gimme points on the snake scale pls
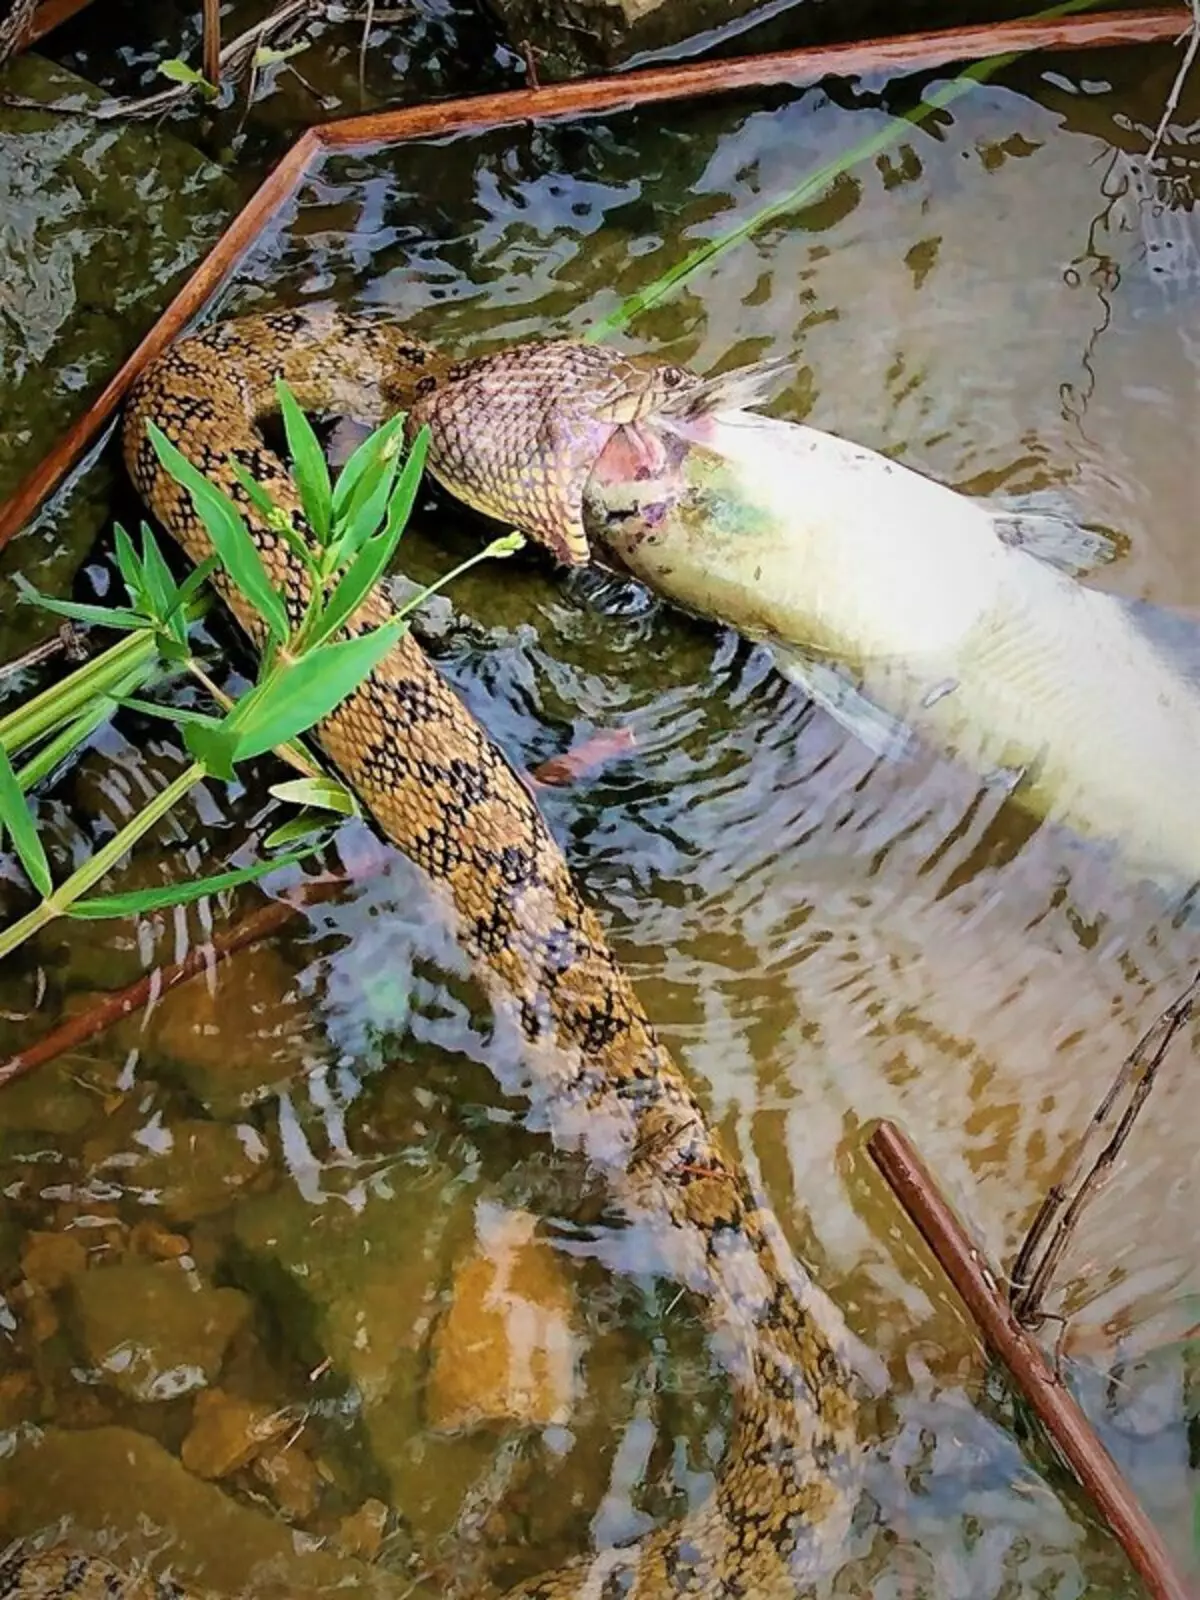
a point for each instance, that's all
(515, 434)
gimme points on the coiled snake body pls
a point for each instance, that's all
(515, 435)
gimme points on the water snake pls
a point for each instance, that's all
(443, 793)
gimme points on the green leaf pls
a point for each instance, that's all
(311, 825)
(301, 695)
(177, 894)
(268, 56)
(358, 581)
(363, 506)
(17, 820)
(176, 714)
(372, 560)
(259, 498)
(212, 744)
(229, 533)
(308, 464)
(323, 794)
(179, 72)
(118, 617)
(367, 455)
(401, 503)
(159, 582)
(131, 569)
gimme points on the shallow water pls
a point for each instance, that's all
(823, 939)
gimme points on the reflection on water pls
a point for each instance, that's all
(821, 937)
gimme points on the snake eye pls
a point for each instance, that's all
(672, 377)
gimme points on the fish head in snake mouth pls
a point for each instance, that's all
(518, 433)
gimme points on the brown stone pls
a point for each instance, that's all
(201, 1169)
(227, 1433)
(293, 1480)
(506, 1350)
(231, 1037)
(49, 1260)
(151, 1239)
(153, 1330)
(124, 1486)
(361, 1533)
(18, 1399)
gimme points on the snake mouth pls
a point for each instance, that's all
(634, 453)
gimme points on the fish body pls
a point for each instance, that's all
(910, 610)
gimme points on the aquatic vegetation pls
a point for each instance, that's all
(304, 673)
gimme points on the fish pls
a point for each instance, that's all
(917, 615)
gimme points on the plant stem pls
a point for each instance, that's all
(293, 754)
(815, 185)
(107, 857)
(63, 701)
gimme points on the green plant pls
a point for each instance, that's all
(305, 669)
(815, 184)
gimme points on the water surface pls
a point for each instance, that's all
(822, 938)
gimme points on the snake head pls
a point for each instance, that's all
(517, 434)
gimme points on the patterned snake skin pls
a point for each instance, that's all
(515, 435)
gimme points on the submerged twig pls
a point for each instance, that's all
(1185, 66)
(1138, 1073)
(68, 642)
(967, 1270)
(233, 61)
(212, 42)
(267, 920)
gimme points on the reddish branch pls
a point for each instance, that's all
(967, 1269)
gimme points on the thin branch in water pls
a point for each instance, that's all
(368, 21)
(212, 42)
(1185, 67)
(236, 58)
(1031, 1275)
(967, 1269)
(67, 642)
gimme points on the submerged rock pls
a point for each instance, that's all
(189, 1167)
(293, 1480)
(49, 1260)
(232, 1037)
(153, 1330)
(506, 1350)
(119, 1485)
(228, 1433)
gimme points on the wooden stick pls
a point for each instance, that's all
(258, 925)
(905, 54)
(16, 28)
(212, 42)
(967, 1269)
(52, 14)
(192, 298)
(1034, 1266)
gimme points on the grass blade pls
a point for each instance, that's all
(116, 617)
(302, 694)
(231, 538)
(812, 187)
(19, 824)
(308, 463)
(170, 895)
(368, 454)
(130, 568)
(323, 794)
